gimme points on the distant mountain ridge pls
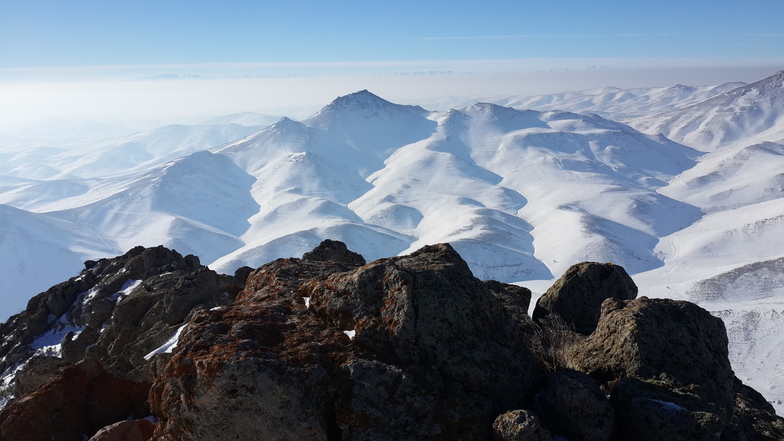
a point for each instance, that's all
(753, 111)
(621, 104)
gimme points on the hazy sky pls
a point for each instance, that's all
(111, 51)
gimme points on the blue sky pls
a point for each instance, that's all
(75, 33)
(50, 49)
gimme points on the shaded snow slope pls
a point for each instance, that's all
(38, 251)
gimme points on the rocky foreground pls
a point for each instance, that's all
(153, 345)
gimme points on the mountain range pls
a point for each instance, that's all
(686, 194)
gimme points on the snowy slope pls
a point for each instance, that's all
(35, 174)
(590, 183)
(308, 172)
(385, 177)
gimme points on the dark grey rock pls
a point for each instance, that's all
(36, 372)
(572, 405)
(436, 354)
(649, 412)
(578, 295)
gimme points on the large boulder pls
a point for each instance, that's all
(650, 412)
(257, 369)
(753, 418)
(674, 344)
(665, 365)
(427, 309)
(577, 296)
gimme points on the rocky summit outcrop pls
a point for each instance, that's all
(157, 347)
(410, 347)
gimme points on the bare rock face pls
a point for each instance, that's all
(578, 295)
(447, 331)
(520, 425)
(151, 314)
(75, 403)
(84, 301)
(400, 349)
(37, 371)
(404, 348)
(572, 405)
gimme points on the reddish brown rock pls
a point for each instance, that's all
(74, 403)
(258, 369)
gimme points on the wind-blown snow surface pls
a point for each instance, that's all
(521, 194)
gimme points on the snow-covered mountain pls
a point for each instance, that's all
(521, 194)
